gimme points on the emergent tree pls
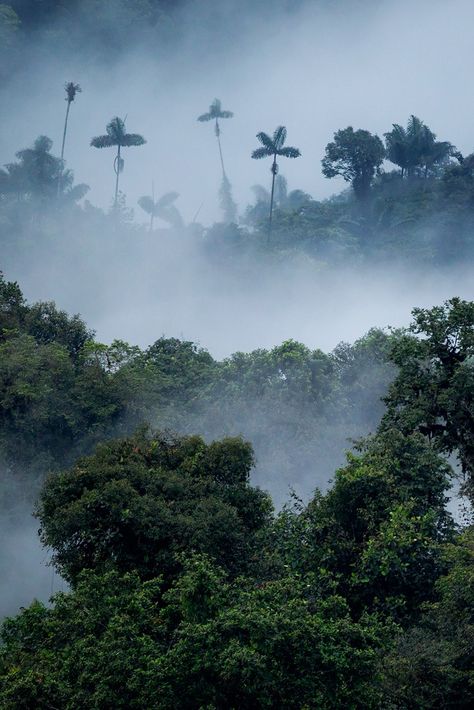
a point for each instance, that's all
(71, 90)
(273, 147)
(116, 135)
(225, 194)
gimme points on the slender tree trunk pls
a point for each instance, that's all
(62, 148)
(274, 172)
(218, 136)
(117, 173)
(65, 129)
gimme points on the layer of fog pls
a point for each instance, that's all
(147, 286)
(25, 572)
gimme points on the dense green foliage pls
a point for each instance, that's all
(433, 392)
(186, 589)
(61, 392)
(356, 156)
(137, 504)
(205, 642)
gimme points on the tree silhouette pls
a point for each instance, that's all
(117, 136)
(356, 156)
(415, 147)
(274, 147)
(35, 176)
(225, 193)
(397, 147)
(71, 90)
(162, 208)
(284, 199)
(214, 114)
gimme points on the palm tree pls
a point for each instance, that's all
(397, 145)
(273, 147)
(162, 208)
(71, 90)
(117, 136)
(214, 114)
(225, 193)
(415, 147)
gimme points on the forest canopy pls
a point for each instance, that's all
(186, 587)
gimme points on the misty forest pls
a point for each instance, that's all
(236, 355)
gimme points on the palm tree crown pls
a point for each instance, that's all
(71, 90)
(214, 114)
(274, 147)
(116, 135)
(415, 147)
(162, 208)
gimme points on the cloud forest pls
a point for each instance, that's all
(236, 355)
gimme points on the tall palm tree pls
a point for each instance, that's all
(214, 114)
(117, 136)
(274, 147)
(162, 208)
(225, 193)
(71, 90)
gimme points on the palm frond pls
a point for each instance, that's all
(289, 152)
(261, 153)
(147, 204)
(397, 134)
(279, 137)
(265, 140)
(415, 125)
(171, 215)
(130, 139)
(226, 114)
(77, 192)
(205, 117)
(103, 142)
(167, 199)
